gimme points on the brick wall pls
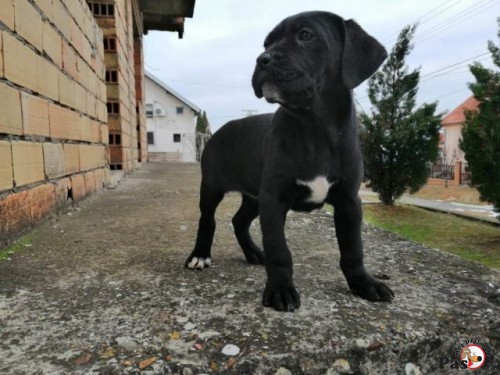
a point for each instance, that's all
(53, 115)
(124, 65)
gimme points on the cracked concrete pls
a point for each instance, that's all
(102, 290)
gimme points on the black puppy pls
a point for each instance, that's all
(305, 154)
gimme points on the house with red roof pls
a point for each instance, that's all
(451, 167)
(451, 134)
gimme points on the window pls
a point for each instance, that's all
(113, 108)
(177, 138)
(115, 139)
(111, 76)
(151, 138)
(109, 43)
(101, 9)
(149, 110)
(179, 110)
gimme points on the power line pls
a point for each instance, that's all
(420, 20)
(456, 19)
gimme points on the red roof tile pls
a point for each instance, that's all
(457, 116)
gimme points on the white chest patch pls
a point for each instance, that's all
(319, 188)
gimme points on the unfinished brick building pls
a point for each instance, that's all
(71, 99)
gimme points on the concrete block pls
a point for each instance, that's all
(35, 115)
(27, 160)
(6, 170)
(53, 155)
(10, 110)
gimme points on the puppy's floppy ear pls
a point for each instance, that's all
(362, 56)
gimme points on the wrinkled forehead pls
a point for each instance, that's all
(324, 24)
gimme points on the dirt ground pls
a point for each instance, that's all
(102, 290)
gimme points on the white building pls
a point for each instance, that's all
(170, 122)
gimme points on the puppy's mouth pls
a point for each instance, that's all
(272, 93)
(293, 92)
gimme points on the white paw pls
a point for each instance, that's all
(199, 263)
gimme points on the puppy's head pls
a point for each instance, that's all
(310, 51)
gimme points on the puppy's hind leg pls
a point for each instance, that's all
(210, 198)
(248, 211)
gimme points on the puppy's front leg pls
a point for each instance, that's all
(280, 292)
(348, 218)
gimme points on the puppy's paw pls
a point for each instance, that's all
(256, 256)
(373, 290)
(195, 263)
(281, 298)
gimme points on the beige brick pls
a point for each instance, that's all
(91, 157)
(46, 7)
(6, 172)
(47, 78)
(91, 104)
(71, 159)
(28, 23)
(80, 98)
(90, 182)
(78, 187)
(1, 55)
(10, 110)
(95, 137)
(52, 44)
(19, 61)
(58, 121)
(53, 155)
(85, 128)
(35, 115)
(7, 13)
(61, 17)
(69, 60)
(104, 130)
(74, 126)
(66, 89)
(27, 159)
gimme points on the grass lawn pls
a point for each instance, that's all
(465, 238)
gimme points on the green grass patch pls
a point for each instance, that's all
(22, 243)
(465, 238)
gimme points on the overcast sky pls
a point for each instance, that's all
(213, 64)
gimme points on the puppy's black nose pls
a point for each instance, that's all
(264, 59)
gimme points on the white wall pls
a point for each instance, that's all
(164, 127)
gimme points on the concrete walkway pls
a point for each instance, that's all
(102, 290)
(477, 212)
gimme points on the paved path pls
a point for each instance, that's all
(479, 212)
(102, 290)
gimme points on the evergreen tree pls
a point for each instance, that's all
(399, 142)
(481, 132)
(202, 124)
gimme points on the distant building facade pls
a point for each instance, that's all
(171, 125)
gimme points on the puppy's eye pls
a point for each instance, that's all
(305, 35)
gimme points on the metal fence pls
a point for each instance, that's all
(442, 171)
